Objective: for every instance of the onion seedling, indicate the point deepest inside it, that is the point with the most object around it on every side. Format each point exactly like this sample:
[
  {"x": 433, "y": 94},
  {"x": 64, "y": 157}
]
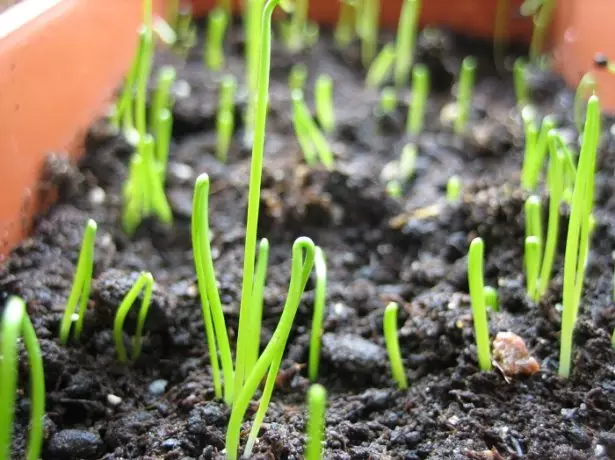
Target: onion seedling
[
  {"x": 579, "y": 233},
  {"x": 420, "y": 92},
  {"x": 16, "y": 324},
  {"x": 345, "y": 27},
  {"x": 479, "y": 311},
  {"x": 323, "y": 98},
  {"x": 256, "y": 307},
  {"x": 389, "y": 325},
  {"x": 536, "y": 151},
  {"x": 587, "y": 86},
  {"x": 532, "y": 264},
  {"x": 542, "y": 20},
  {"x": 406, "y": 40},
  {"x": 465, "y": 88},
  {"x": 80, "y": 290},
  {"x": 298, "y": 25},
  {"x": 320, "y": 297},
  {"x": 310, "y": 138},
  {"x": 145, "y": 67},
  {"x": 399, "y": 173},
  {"x": 164, "y": 127},
  {"x": 213, "y": 51},
  {"x": 145, "y": 283},
  {"x": 186, "y": 31},
  {"x": 225, "y": 118},
  {"x": 162, "y": 96},
  {"x": 381, "y": 67},
  {"x": 388, "y": 100},
  {"x": 491, "y": 298},
  {"x": 297, "y": 77},
  {"x": 453, "y": 189},
  {"x": 317, "y": 403},
  {"x": 369, "y": 19},
  {"x": 533, "y": 218},
  {"x": 520, "y": 82}
]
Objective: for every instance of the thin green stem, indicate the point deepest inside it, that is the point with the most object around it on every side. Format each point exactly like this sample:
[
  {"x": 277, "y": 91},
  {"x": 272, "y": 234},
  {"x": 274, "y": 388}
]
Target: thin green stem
[
  {"x": 320, "y": 297},
  {"x": 381, "y": 67},
  {"x": 164, "y": 127},
  {"x": 368, "y": 31},
  {"x": 389, "y": 325},
  {"x": 586, "y": 87},
  {"x": 310, "y": 137},
  {"x": 479, "y": 311},
  {"x": 520, "y": 82},
  {"x": 298, "y": 25},
  {"x": 214, "y": 45},
  {"x": 345, "y": 28},
  {"x": 406, "y": 40},
  {"x": 317, "y": 406},
  {"x": 162, "y": 96},
  {"x": 532, "y": 264},
  {"x": 325, "y": 109},
  {"x": 145, "y": 66},
  {"x": 464, "y": 93},
  {"x": 420, "y": 93}
]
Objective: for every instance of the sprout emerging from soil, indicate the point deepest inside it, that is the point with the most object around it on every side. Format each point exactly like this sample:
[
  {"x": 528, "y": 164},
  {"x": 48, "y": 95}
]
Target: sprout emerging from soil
[
  {"x": 325, "y": 110},
  {"x": 80, "y": 291},
  {"x": 312, "y": 141},
  {"x": 317, "y": 406},
  {"x": 533, "y": 218},
  {"x": 320, "y": 297},
  {"x": 587, "y": 86},
  {"x": 388, "y": 100},
  {"x": 345, "y": 27},
  {"x": 185, "y": 31},
  {"x": 16, "y": 324},
  {"x": 479, "y": 311},
  {"x": 453, "y": 189},
  {"x": 225, "y": 118},
  {"x": 144, "y": 283},
  {"x": 398, "y": 173},
  {"x": 297, "y": 77},
  {"x": 381, "y": 67},
  {"x": 389, "y": 325},
  {"x": 535, "y": 152},
  {"x": 542, "y": 20},
  {"x": 162, "y": 99},
  {"x": 213, "y": 51},
  {"x": 491, "y": 298},
  {"x": 520, "y": 82},
  {"x": 420, "y": 93},
  {"x": 406, "y": 40},
  {"x": 579, "y": 232},
  {"x": 465, "y": 88},
  {"x": 369, "y": 20}
]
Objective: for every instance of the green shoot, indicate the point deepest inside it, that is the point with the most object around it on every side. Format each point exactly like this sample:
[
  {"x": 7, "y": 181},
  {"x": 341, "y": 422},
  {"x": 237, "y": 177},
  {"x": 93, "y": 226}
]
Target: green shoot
[
  {"x": 80, "y": 291},
  {"x": 520, "y": 82},
  {"x": 298, "y": 25},
  {"x": 310, "y": 138},
  {"x": 542, "y": 20},
  {"x": 16, "y": 324},
  {"x": 407, "y": 163},
  {"x": 500, "y": 31},
  {"x": 491, "y": 298},
  {"x": 256, "y": 308},
  {"x": 163, "y": 141},
  {"x": 320, "y": 297},
  {"x": 479, "y": 311},
  {"x": 213, "y": 51},
  {"x": 186, "y": 31},
  {"x": 298, "y": 76},
  {"x": 145, "y": 67},
  {"x": 420, "y": 92},
  {"x": 269, "y": 361},
  {"x": 406, "y": 40},
  {"x": 389, "y": 325},
  {"x": 225, "y": 119},
  {"x": 317, "y": 403},
  {"x": 587, "y": 86},
  {"x": 211, "y": 306},
  {"x": 465, "y": 89},
  {"x": 145, "y": 283},
  {"x": 453, "y": 189},
  {"x": 162, "y": 96},
  {"x": 155, "y": 190},
  {"x": 579, "y": 233},
  {"x": 369, "y": 21},
  {"x": 381, "y": 67},
  {"x": 323, "y": 96},
  {"x": 388, "y": 100},
  {"x": 532, "y": 264},
  {"x": 536, "y": 151},
  {"x": 345, "y": 28},
  {"x": 529, "y": 154},
  {"x": 533, "y": 218}
]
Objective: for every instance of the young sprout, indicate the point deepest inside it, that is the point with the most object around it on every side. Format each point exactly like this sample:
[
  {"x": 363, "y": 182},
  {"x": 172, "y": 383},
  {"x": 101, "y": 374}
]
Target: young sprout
[
  {"x": 162, "y": 99},
  {"x": 380, "y": 68},
  {"x": 465, "y": 87},
  {"x": 520, "y": 81},
  {"x": 225, "y": 118},
  {"x": 154, "y": 190},
  {"x": 325, "y": 109},
  {"x": 345, "y": 28},
  {"x": 542, "y": 19},
  {"x": 298, "y": 25},
  {"x": 579, "y": 233},
  {"x": 369, "y": 20},
  {"x": 298, "y": 76},
  {"x": 320, "y": 297},
  {"x": 256, "y": 307},
  {"x": 479, "y": 311},
  {"x": 163, "y": 141},
  {"x": 311, "y": 140},
  {"x": 317, "y": 403},
  {"x": 213, "y": 51},
  {"x": 389, "y": 325},
  {"x": 491, "y": 298},
  {"x": 406, "y": 39},
  {"x": 532, "y": 264},
  {"x": 186, "y": 31},
  {"x": 453, "y": 189},
  {"x": 16, "y": 324},
  {"x": 145, "y": 67},
  {"x": 531, "y": 137},
  {"x": 587, "y": 86},
  {"x": 536, "y": 151},
  {"x": 533, "y": 218},
  {"x": 388, "y": 100},
  {"x": 420, "y": 92},
  {"x": 80, "y": 291},
  {"x": 145, "y": 283}
]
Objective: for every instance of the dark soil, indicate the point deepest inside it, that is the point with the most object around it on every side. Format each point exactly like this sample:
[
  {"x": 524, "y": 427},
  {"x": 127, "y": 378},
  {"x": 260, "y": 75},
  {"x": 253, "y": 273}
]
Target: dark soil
[{"x": 378, "y": 249}]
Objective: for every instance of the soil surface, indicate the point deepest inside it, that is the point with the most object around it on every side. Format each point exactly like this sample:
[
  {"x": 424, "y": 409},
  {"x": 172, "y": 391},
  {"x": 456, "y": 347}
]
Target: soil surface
[{"x": 411, "y": 250}]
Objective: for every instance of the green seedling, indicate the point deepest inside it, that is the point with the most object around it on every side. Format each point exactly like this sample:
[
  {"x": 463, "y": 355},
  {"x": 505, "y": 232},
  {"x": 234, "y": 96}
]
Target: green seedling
[
  {"x": 406, "y": 40},
  {"x": 145, "y": 283},
  {"x": 225, "y": 118},
  {"x": 380, "y": 68},
  {"x": 345, "y": 27},
  {"x": 532, "y": 264},
  {"x": 491, "y": 298},
  {"x": 389, "y": 325},
  {"x": 213, "y": 51},
  {"x": 256, "y": 307},
  {"x": 320, "y": 297},
  {"x": 16, "y": 324},
  {"x": 325, "y": 109},
  {"x": 162, "y": 99},
  {"x": 536, "y": 151},
  {"x": 579, "y": 233},
  {"x": 465, "y": 88},
  {"x": 479, "y": 311},
  {"x": 533, "y": 218},
  {"x": 298, "y": 77},
  {"x": 542, "y": 20},
  {"x": 145, "y": 68},
  {"x": 298, "y": 26},
  {"x": 80, "y": 290},
  {"x": 317, "y": 406},
  {"x": 420, "y": 92},
  {"x": 388, "y": 100},
  {"x": 313, "y": 143},
  {"x": 369, "y": 19},
  {"x": 587, "y": 86},
  {"x": 164, "y": 127},
  {"x": 531, "y": 137},
  {"x": 453, "y": 189},
  {"x": 520, "y": 82},
  {"x": 185, "y": 31}
]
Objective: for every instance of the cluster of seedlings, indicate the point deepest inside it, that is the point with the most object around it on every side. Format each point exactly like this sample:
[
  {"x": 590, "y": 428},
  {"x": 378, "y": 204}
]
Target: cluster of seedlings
[{"x": 568, "y": 176}]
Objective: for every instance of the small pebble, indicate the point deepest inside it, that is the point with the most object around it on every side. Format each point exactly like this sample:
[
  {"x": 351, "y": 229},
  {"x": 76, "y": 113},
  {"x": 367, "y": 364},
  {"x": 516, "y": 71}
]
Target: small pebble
[
  {"x": 181, "y": 172},
  {"x": 114, "y": 400},
  {"x": 75, "y": 444},
  {"x": 353, "y": 353},
  {"x": 157, "y": 387},
  {"x": 97, "y": 195},
  {"x": 511, "y": 357}
]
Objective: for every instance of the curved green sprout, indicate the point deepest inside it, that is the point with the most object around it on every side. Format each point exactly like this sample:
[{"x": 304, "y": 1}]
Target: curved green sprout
[
  {"x": 479, "y": 311},
  {"x": 80, "y": 291},
  {"x": 145, "y": 282},
  {"x": 406, "y": 39},
  {"x": 298, "y": 25},
  {"x": 213, "y": 52},
  {"x": 380, "y": 68},
  {"x": 389, "y": 325},
  {"x": 465, "y": 89},
  {"x": 453, "y": 189},
  {"x": 16, "y": 324},
  {"x": 323, "y": 102},
  {"x": 317, "y": 406},
  {"x": 420, "y": 93},
  {"x": 320, "y": 297}
]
